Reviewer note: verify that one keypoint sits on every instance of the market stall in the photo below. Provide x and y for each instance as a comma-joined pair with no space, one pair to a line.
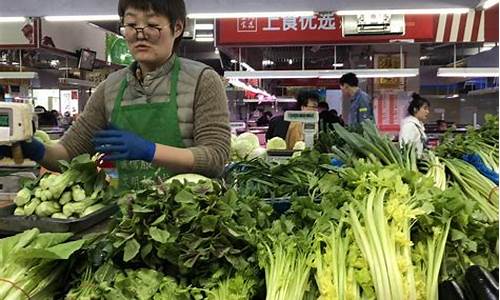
385,224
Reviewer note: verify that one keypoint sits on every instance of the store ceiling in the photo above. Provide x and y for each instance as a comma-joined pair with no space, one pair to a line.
108,7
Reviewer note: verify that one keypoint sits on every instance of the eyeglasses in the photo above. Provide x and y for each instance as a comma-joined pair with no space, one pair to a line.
150,33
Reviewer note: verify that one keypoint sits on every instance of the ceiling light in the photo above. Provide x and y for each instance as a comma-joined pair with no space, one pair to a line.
271,74
324,74
371,73
416,11
204,39
247,67
467,72
235,15
267,62
82,18
204,36
487,47
425,57
18,75
489,3
338,65
233,61
290,61
77,82
235,82
203,26
54,63
12,19
216,51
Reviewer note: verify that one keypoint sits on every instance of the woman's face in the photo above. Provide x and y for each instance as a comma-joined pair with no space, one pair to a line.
149,36
422,113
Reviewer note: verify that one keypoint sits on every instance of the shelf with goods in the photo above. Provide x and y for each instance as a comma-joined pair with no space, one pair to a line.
385,224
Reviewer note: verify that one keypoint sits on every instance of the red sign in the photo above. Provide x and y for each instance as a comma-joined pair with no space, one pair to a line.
326,28
386,108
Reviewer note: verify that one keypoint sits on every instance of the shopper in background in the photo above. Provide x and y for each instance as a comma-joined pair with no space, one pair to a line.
336,117
45,118
67,120
264,119
361,106
327,117
412,127
306,101
442,125
160,116
278,127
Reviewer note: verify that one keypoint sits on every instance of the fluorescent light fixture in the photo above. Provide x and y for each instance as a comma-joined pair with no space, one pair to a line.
338,65
414,11
489,3
286,100
371,73
324,74
247,67
425,57
246,87
82,18
271,74
18,75
12,19
467,72
235,15
267,62
198,26
204,39
77,82
204,36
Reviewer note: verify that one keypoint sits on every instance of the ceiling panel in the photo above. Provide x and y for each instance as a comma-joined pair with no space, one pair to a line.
106,7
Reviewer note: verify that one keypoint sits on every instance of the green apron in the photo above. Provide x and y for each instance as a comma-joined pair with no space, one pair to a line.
155,122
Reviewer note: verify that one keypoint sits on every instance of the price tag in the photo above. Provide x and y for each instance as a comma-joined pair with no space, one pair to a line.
302,116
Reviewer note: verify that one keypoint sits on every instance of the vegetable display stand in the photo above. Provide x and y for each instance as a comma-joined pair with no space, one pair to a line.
15,224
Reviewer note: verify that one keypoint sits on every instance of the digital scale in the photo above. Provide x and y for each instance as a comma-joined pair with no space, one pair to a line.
16,125
310,120
237,127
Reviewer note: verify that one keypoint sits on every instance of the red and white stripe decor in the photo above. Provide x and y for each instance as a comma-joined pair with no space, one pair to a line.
465,28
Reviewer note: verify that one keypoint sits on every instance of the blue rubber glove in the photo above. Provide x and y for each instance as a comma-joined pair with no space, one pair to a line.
34,150
336,163
122,145
477,162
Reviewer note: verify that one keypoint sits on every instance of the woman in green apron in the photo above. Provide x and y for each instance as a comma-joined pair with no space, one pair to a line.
161,115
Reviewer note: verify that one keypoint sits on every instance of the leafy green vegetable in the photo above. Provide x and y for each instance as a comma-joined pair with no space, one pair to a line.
46,209
35,263
276,143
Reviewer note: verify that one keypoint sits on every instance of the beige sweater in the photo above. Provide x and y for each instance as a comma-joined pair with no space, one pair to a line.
202,111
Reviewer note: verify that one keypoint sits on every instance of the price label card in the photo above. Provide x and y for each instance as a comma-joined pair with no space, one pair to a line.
302,116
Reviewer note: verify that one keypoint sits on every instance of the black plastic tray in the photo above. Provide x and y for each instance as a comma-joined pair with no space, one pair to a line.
14,224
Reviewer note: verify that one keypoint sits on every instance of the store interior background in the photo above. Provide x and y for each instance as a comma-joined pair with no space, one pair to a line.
54,56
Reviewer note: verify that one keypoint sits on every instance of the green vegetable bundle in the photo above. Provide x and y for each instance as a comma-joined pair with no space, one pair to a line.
198,233
372,145
297,176
33,264
79,191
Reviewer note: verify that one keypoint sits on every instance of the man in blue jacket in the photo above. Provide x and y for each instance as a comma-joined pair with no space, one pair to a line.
361,106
